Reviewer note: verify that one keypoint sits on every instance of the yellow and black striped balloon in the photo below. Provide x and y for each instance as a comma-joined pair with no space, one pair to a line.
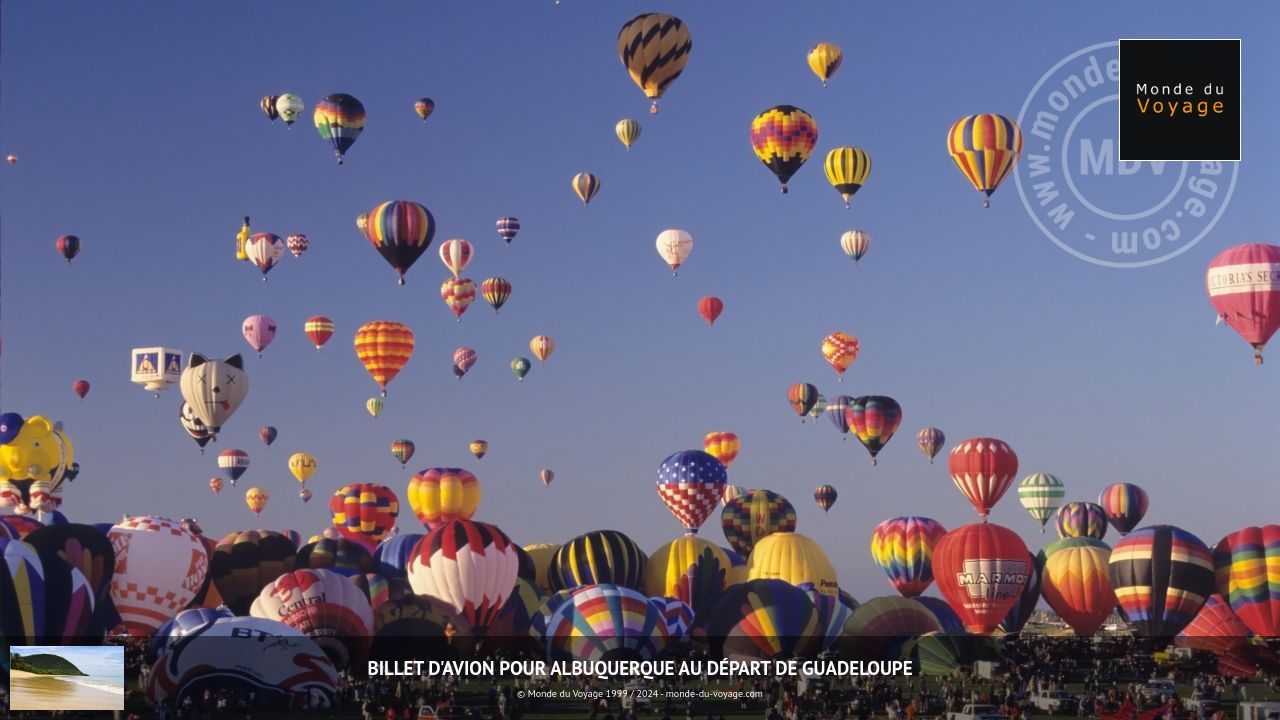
654,47
602,556
847,169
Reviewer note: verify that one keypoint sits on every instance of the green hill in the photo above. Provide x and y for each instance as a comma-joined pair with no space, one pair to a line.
44,664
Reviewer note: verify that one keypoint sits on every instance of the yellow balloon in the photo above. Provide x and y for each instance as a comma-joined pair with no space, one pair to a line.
667,572
628,131
256,499
793,558
542,554
542,347
439,495
479,448
654,47
302,465
374,406
241,238
824,60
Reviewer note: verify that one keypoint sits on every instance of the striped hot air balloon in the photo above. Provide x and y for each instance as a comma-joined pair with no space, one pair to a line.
722,445
401,231
364,513
1082,519
985,148
1162,576
440,495
1125,505
1041,494
507,228
319,329
802,396
847,169
595,558
930,440
495,291
458,294
825,496
585,185
339,118
874,418
983,469
402,450
902,547
384,348
1247,568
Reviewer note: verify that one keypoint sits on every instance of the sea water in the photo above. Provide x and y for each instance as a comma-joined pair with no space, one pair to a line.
109,683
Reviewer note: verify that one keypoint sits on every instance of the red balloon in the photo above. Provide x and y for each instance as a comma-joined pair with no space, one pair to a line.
1244,287
981,570
80,388
983,468
710,308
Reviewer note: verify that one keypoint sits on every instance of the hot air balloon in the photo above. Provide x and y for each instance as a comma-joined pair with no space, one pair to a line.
80,388
374,406
585,185
710,307
983,469
874,418
214,389
233,463
507,228
847,170
628,131
930,440
802,397
267,434
456,254
440,495
194,426
598,557
1041,494
1216,629
783,138
819,407
674,246
364,513
243,563
256,499
339,119
46,595
84,549
607,621
882,626
981,570
1125,505
521,366
12,159
304,494
268,106
1244,286
545,476
402,450
542,346
824,60
326,607
289,106
837,412
258,331
762,620
302,466
1023,608
722,445
690,483
495,291
1162,575
458,294
1247,569
754,515
1076,582
840,350
264,250
903,547
825,496
424,107
463,359
1082,519
215,484
384,348
654,48
68,247
159,566
334,552
400,230
985,148
690,569
478,448
472,566
855,244
319,329
297,244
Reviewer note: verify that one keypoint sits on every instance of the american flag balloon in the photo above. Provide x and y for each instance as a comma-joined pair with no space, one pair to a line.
690,483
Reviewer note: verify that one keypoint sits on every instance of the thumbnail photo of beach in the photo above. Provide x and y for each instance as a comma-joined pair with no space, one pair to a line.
53,677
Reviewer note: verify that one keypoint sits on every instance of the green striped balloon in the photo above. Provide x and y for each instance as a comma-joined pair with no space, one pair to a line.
1041,494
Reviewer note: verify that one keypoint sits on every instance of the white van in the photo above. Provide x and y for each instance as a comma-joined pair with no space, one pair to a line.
1258,711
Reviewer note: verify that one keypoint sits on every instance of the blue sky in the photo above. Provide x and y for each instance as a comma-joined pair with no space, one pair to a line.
90,660
138,129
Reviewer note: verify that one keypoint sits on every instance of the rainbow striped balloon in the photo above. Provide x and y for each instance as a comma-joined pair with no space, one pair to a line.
1162,576
1125,505
903,548
1247,566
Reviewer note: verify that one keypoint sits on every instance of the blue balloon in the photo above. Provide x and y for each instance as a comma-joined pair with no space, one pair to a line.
10,424
180,625
391,557
692,467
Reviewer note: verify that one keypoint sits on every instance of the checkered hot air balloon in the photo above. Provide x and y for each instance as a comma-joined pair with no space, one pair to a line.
364,513
753,516
297,244
690,483
458,293
983,469
783,138
1041,494
384,348
840,350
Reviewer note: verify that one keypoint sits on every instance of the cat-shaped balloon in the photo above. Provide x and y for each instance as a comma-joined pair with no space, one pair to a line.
214,389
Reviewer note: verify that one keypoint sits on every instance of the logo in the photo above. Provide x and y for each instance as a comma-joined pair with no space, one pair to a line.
998,579
1103,210
1180,100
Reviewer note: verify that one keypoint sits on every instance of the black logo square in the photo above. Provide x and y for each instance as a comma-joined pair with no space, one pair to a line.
1180,100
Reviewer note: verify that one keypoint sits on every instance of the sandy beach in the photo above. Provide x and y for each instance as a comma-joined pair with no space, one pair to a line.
28,691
